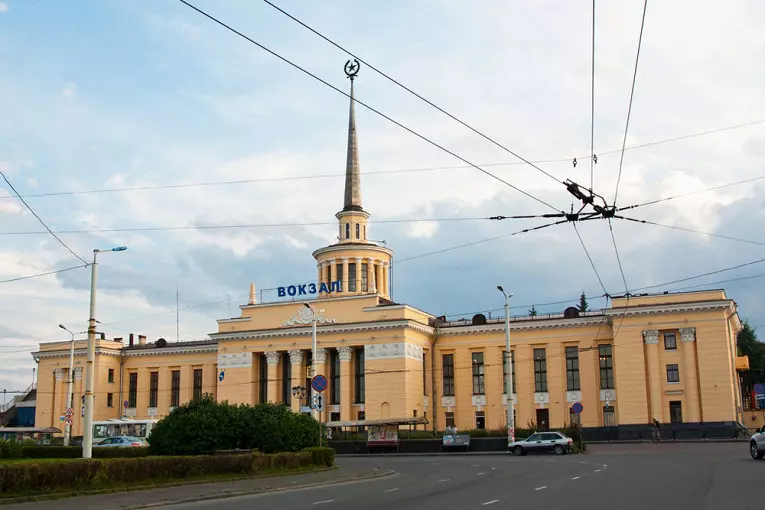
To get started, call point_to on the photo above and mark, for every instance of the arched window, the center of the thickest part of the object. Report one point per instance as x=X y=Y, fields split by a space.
x=358 y=230
x=347 y=230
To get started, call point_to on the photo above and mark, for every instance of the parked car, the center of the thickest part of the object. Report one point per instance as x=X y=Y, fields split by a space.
x=542 y=442
x=122 y=442
x=757 y=444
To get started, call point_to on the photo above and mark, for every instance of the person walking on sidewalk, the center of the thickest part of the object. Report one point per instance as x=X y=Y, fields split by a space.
x=655 y=427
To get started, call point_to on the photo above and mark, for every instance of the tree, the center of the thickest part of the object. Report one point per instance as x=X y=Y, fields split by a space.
x=532 y=311
x=583 y=306
x=749 y=345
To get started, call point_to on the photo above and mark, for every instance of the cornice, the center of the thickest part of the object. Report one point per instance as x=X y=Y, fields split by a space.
x=335 y=328
x=498 y=327
x=236 y=319
x=299 y=302
x=352 y=247
x=173 y=350
x=64 y=353
x=699 y=306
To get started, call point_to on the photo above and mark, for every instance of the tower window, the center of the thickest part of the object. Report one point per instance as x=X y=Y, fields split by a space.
x=358 y=230
x=347 y=230
x=365 y=231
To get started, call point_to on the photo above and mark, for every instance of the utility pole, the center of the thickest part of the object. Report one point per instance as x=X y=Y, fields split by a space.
x=69 y=402
x=508 y=370
x=87 y=433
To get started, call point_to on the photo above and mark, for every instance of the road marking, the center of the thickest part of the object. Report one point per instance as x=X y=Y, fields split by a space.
x=325 y=501
x=475 y=465
x=540 y=488
x=605 y=465
x=392 y=490
x=444 y=480
x=598 y=470
x=582 y=462
x=576 y=478
x=490 y=502
x=479 y=474
x=493 y=469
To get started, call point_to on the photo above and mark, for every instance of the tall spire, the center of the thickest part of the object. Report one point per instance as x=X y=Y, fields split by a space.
x=352 y=169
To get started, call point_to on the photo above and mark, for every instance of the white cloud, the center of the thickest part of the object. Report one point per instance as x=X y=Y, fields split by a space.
x=3 y=7
x=69 y=89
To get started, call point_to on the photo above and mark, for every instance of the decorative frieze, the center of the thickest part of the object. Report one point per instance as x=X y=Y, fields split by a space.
x=573 y=396
x=59 y=374
x=393 y=351
x=447 y=402
x=608 y=395
x=306 y=315
x=651 y=336
x=321 y=356
x=234 y=360
x=272 y=358
x=296 y=357
x=479 y=400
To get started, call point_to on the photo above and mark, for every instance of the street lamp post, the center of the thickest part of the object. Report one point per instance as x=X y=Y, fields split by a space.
x=299 y=393
x=313 y=364
x=509 y=370
x=69 y=402
x=87 y=433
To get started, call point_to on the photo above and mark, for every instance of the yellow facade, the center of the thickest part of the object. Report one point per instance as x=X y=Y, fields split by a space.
x=671 y=357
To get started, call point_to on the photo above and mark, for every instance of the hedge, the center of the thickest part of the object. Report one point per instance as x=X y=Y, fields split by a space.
x=75 y=452
x=32 y=477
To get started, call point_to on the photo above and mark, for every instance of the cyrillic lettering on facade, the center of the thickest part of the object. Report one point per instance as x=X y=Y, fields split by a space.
x=281 y=291
x=301 y=289
x=336 y=286
x=291 y=290
x=323 y=288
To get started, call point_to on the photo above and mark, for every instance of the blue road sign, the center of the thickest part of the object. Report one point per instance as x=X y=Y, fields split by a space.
x=319 y=383
x=577 y=408
x=126 y=404
x=221 y=376
x=759 y=388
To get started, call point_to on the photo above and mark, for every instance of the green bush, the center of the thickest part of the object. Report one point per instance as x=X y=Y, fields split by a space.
x=75 y=452
x=10 y=449
x=206 y=426
x=322 y=456
x=33 y=477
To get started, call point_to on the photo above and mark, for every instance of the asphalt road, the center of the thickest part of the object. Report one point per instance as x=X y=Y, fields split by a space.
x=656 y=477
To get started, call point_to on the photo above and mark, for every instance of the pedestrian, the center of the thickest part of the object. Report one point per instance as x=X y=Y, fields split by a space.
x=655 y=427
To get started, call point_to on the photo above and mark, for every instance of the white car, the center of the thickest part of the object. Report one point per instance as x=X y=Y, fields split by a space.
x=757 y=444
x=542 y=442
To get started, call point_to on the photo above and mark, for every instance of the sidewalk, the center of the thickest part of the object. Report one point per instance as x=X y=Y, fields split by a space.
x=148 y=498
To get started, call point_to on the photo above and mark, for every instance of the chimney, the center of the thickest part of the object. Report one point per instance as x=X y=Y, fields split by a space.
x=141 y=339
x=118 y=339
x=130 y=341
x=103 y=336
x=253 y=300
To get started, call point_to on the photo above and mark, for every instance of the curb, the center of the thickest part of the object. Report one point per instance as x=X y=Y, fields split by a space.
x=358 y=479
x=430 y=454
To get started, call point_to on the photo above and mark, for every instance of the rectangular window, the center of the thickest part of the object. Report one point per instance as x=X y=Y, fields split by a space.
x=508 y=366
x=153 y=388
x=606 y=367
x=364 y=277
x=334 y=377
x=262 y=379
x=133 y=390
x=352 y=277
x=197 y=395
x=676 y=411
x=670 y=341
x=540 y=370
x=478 y=373
x=673 y=373
x=286 y=379
x=448 y=364
x=110 y=400
x=449 y=419
x=339 y=274
x=111 y=375
x=572 y=368
x=359 y=386
x=609 y=416
x=175 y=388
x=480 y=420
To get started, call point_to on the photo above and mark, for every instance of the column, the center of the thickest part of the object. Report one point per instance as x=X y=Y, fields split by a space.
x=358 y=275
x=386 y=278
x=371 y=276
x=345 y=275
x=651 y=338
x=379 y=277
x=323 y=275
x=345 y=354
x=272 y=358
x=689 y=374
x=331 y=270
x=321 y=369
x=297 y=371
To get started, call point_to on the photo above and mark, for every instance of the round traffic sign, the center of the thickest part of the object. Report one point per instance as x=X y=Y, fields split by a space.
x=759 y=388
x=126 y=404
x=577 y=407
x=221 y=376
x=319 y=383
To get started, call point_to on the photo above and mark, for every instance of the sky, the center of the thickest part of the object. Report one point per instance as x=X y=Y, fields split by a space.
x=97 y=95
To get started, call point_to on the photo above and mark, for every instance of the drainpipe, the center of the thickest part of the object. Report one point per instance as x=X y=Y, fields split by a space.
x=122 y=372
x=433 y=378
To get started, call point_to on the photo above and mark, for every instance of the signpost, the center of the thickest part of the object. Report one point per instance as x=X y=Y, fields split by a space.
x=319 y=384
x=221 y=376
x=577 y=408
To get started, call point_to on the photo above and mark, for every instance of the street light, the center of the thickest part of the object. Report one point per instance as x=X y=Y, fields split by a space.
x=69 y=402
x=87 y=433
x=313 y=364
x=299 y=393
x=509 y=371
